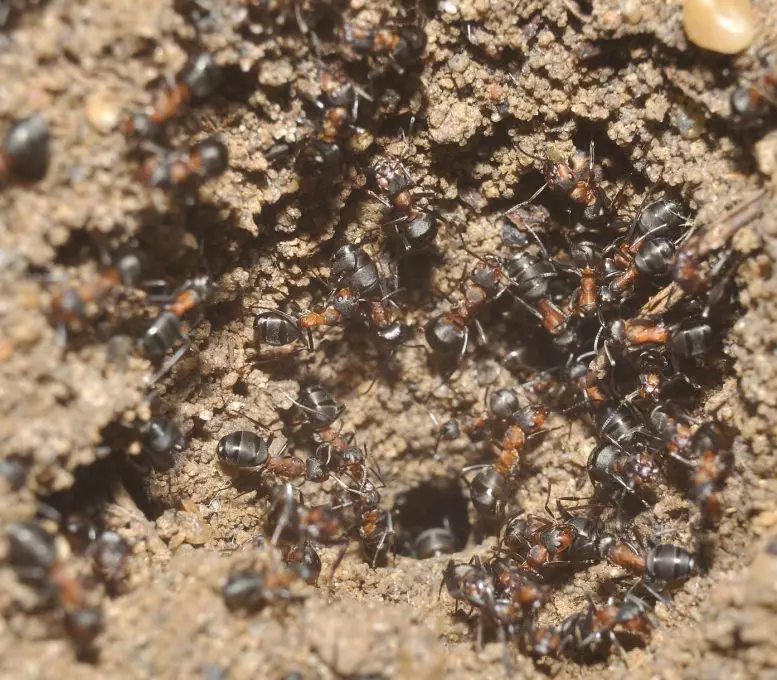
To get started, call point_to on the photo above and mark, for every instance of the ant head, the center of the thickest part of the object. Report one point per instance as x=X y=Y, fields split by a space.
x=346 y=303
x=388 y=175
x=337 y=90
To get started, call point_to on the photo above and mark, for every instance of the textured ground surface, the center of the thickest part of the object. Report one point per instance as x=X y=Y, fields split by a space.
x=657 y=109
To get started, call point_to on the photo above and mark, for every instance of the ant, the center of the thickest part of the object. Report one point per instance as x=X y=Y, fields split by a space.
x=489 y=490
x=321 y=411
x=688 y=270
x=375 y=532
x=198 y=79
x=517 y=595
x=591 y=633
x=25 y=150
x=352 y=267
x=504 y=407
x=584 y=302
x=109 y=553
x=448 y=334
x=707 y=454
x=33 y=555
x=69 y=305
x=472 y=584
x=541 y=542
x=162 y=441
x=692 y=338
x=339 y=106
x=752 y=103
x=404 y=45
x=617 y=473
x=306 y=561
x=417 y=228
x=532 y=277
x=252 y=590
x=289 y=520
x=574 y=541
x=657 y=562
x=184 y=171
x=434 y=542
x=650 y=248
x=166 y=329
x=246 y=450
x=578 y=182
x=279 y=329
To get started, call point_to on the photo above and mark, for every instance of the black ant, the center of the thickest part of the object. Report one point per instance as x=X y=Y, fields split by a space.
x=404 y=45
x=198 y=79
x=69 y=305
x=339 y=107
x=246 y=450
x=162 y=442
x=166 y=329
x=578 y=182
x=417 y=228
x=753 y=103
x=34 y=557
x=184 y=171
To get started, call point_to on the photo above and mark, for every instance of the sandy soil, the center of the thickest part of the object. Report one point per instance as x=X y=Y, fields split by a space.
x=657 y=109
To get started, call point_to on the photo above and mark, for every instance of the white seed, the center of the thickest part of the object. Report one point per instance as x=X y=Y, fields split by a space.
x=724 y=26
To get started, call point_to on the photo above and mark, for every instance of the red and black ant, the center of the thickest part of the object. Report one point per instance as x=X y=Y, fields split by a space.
x=70 y=305
x=577 y=181
x=416 y=227
x=753 y=103
x=34 y=557
x=167 y=328
x=184 y=171
x=198 y=79
x=404 y=45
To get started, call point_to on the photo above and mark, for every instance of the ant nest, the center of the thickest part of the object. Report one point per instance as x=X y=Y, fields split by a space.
x=386 y=340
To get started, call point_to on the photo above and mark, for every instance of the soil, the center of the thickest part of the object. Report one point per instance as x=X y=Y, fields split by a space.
x=497 y=75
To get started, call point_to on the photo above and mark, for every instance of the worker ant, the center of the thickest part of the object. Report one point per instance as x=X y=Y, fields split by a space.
x=70 y=305
x=167 y=328
x=199 y=78
x=183 y=171
x=578 y=181
x=246 y=451
x=416 y=228
x=403 y=45
x=34 y=558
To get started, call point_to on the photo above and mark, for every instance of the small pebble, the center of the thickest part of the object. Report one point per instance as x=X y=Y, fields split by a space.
x=724 y=26
x=102 y=112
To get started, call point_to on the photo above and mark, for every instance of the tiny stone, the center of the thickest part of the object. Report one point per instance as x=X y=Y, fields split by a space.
x=102 y=111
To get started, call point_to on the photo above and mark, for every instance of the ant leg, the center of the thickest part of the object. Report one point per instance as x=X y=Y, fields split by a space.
x=547 y=502
x=389 y=531
x=527 y=201
x=336 y=565
x=301 y=24
x=172 y=361
x=376 y=470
